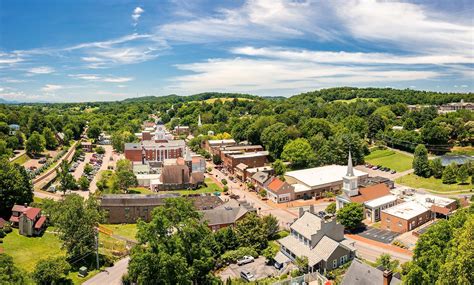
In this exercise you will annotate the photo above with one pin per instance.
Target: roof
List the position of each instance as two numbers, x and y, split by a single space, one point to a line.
18 208
250 154
241 147
360 273
135 199
317 176
261 177
241 166
307 225
371 193
406 210
458 159
40 222
381 201
205 202
277 186
31 212
281 258
218 142
224 214
322 251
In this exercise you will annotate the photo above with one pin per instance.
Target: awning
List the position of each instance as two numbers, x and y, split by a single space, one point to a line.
281 258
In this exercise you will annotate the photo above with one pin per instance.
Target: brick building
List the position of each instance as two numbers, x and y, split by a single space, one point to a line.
213 146
250 159
154 151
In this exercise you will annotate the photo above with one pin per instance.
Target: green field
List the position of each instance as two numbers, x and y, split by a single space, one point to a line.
139 190
21 159
211 187
431 183
389 158
125 230
355 99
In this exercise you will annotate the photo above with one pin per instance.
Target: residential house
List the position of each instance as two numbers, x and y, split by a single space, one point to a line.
360 273
279 191
226 214
13 129
60 137
28 220
320 239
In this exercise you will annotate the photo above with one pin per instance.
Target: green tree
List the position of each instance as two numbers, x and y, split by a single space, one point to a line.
88 168
421 164
351 215
385 260
175 247
5 152
53 270
15 186
9 273
93 132
436 168
124 174
250 231
76 220
376 124
274 138
463 173
270 252
409 124
226 238
50 139
279 167
449 174
66 180
299 153
331 208
302 263
35 143
271 226
83 183
216 159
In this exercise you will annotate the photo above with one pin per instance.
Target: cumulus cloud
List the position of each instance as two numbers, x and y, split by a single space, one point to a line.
137 12
40 70
51 88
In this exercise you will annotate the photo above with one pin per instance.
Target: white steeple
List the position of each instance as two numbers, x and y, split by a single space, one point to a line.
350 181
188 155
199 121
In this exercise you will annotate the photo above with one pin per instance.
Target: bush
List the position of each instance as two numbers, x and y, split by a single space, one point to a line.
7 227
331 208
2 234
99 150
224 181
226 188
233 255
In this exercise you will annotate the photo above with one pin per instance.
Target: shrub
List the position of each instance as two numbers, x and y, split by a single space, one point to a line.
99 150
233 255
7 227
2 234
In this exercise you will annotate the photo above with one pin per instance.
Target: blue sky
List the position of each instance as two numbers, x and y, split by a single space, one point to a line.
75 50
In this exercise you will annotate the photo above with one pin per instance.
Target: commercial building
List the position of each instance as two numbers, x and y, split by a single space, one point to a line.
213 146
279 191
320 239
416 210
260 179
250 159
150 150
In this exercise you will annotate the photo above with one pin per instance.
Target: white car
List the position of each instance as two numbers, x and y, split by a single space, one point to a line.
247 276
244 260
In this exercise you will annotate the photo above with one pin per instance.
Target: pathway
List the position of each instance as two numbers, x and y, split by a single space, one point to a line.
111 275
18 154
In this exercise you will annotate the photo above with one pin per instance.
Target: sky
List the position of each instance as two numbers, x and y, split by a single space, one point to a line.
88 50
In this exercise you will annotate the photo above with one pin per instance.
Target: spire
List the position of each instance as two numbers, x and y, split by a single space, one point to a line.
188 155
350 169
199 121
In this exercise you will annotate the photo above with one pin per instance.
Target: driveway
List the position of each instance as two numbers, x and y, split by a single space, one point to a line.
379 235
111 275
258 268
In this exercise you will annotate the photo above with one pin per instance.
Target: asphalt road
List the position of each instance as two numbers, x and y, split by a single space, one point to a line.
111 275
371 252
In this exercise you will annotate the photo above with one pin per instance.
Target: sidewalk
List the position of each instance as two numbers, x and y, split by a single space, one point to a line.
380 244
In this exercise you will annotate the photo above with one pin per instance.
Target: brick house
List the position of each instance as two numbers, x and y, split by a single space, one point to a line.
28 220
250 159
279 191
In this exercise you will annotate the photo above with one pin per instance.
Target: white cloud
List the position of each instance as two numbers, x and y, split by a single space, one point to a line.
9 59
137 12
99 78
51 88
40 70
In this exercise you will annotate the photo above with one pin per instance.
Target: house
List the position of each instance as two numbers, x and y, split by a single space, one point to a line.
60 137
313 182
259 180
226 214
375 197
453 107
181 130
240 171
28 220
279 191
416 211
360 273
320 239
13 129
86 146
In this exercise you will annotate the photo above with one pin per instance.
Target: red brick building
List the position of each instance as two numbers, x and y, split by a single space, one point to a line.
154 151
251 159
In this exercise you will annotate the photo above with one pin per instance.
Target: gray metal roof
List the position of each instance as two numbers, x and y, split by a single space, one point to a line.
458 159
360 273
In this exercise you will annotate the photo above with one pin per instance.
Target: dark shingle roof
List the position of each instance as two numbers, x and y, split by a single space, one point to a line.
360 273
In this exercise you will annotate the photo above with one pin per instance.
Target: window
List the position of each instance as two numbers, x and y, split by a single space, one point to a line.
400 224
343 259
334 263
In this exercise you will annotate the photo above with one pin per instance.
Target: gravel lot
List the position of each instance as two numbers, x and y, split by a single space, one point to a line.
258 268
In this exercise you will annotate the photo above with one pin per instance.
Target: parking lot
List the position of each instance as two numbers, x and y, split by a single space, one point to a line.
258 268
379 235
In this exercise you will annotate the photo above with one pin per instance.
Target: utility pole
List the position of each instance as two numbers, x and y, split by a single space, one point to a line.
96 238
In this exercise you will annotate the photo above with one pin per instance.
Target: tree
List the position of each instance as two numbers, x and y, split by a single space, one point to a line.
216 159
274 138
270 252
9 273
93 132
250 231
331 208
421 164
35 143
279 167
385 260
100 150
376 124
5 152
351 215
124 174
409 124
302 264
83 183
271 226
88 168
436 168
51 271
76 220
50 139
226 238
15 186
449 174
175 247
463 173
66 180
299 153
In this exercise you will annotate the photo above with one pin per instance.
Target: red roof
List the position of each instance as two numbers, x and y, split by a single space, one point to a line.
31 213
14 219
276 185
40 222
18 208
371 193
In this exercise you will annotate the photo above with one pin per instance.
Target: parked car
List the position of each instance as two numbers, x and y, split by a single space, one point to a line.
52 189
393 172
42 160
246 259
375 168
247 276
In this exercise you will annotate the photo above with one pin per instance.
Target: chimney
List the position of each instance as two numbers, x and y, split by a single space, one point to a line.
311 209
26 205
301 212
387 277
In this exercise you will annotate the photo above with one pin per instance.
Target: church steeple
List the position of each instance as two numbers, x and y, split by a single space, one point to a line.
350 181
199 121
350 168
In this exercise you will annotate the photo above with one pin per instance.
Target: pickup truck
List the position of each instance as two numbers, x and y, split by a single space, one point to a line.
244 260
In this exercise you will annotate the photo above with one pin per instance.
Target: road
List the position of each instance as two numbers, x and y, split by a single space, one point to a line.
371 252
18 153
111 275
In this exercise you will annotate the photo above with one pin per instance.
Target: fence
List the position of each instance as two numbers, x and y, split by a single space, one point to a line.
304 279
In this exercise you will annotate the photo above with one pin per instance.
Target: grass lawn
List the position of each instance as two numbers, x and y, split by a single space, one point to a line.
140 190
389 158
431 183
21 159
211 187
125 230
